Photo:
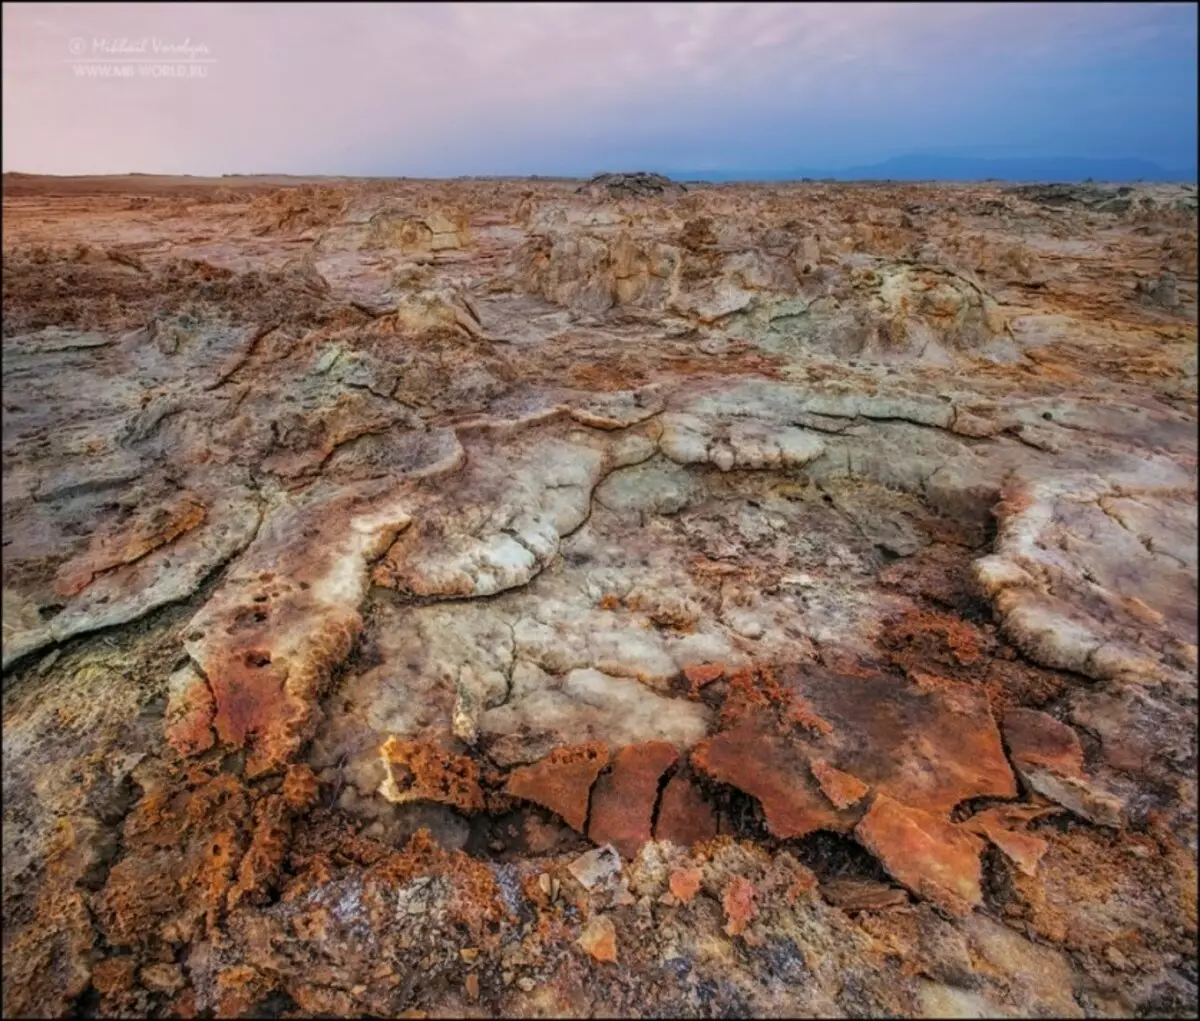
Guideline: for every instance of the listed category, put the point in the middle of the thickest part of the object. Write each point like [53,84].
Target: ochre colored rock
[771,767]
[841,788]
[1004,829]
[1048,756]
[599,938]
[701,675]
[421,771]
[1035,739]
[300,787]
[562,781]
[738,903]
[925,747]
[934,858]
[263,861]
[684,815]
[624,797]
[684,884]
[189,715]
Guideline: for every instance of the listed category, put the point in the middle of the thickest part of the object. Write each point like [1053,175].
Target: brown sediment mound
[632,185]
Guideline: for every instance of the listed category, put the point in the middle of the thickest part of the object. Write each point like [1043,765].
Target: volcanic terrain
[554,598]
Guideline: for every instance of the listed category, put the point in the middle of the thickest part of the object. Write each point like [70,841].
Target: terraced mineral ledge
[523,598]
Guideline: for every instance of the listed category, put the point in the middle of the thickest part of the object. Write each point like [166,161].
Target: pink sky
[468,88]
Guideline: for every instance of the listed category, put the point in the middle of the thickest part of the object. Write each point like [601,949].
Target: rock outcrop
[633,185]
[530,598]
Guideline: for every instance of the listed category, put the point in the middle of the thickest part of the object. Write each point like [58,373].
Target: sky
[576,88]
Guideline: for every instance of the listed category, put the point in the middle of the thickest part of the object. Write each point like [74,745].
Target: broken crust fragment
[624,798]
[562,781]
[862,895]
[934,858]
[1048,757]
[421,771]
[685,816]
[768,766]
[841,788]
[1038,739]
[1003,827]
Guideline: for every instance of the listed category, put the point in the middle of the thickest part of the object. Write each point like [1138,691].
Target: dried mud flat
[497,598]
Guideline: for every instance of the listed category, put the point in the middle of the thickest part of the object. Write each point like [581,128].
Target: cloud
[429,88]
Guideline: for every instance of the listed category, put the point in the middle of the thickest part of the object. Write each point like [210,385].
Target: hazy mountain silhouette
[921,167]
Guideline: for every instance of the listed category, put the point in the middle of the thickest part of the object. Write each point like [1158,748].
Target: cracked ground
[510,599]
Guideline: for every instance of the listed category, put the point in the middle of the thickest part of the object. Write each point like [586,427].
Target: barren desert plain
[495,598]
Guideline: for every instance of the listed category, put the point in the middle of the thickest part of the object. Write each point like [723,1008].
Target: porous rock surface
[507,598]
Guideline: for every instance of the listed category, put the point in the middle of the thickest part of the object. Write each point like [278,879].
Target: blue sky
[447,89]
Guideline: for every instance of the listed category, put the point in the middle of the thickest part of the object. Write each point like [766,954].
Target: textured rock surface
[526,598]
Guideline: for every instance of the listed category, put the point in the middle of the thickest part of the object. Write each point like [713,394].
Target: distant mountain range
[959,168]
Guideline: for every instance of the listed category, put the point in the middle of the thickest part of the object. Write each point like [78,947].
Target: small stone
[699,676]
[507,977]
[527,985]
[113,975]
[862,895]
[623,898]
[469,954]
[599,938]
[471,983]
[738,902]
[163,978]
[595,866]
[685,884]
